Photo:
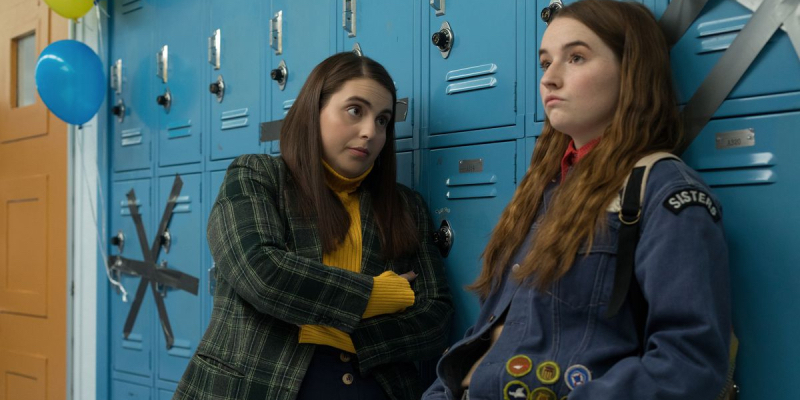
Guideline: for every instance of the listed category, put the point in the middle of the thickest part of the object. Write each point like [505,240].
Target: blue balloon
[70,81]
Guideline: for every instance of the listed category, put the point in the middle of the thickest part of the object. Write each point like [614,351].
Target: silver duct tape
[791,25]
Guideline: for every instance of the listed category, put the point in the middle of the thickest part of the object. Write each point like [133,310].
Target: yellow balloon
[72,9]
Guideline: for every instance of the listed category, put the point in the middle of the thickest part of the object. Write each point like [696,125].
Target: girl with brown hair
[547,328]
[328,286]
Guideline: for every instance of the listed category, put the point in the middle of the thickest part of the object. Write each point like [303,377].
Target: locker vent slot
[131,137]
[471,186]
[234,118]
[471,72]
[131,6]
[183,205]
[735,161]
[718,35]
[473,84]
[740,177]
[287,105]
[124,210]
[181,348]
[133,342]
[179,129]
[471,192]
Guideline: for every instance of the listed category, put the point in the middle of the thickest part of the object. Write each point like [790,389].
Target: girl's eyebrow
[575,43]
[367,103]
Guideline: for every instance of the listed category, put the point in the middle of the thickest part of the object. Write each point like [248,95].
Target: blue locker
[164,394]
[180,50]
[709,37]
[300,35]
[383,31]
[475,86]
[121,390]
[405,168]
[756,179]
[134,354]
[469,187]
[233,60]
[184,309]
[133,126]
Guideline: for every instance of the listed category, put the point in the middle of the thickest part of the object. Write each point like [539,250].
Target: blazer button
[491,318]
[347,379]
[344,357]
[446,350]
[515,268]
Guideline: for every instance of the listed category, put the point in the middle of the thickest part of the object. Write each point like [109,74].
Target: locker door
[699,50]
[131,355]
[384,32]
[235,114]
[469,187]
[184,309]
[132,128]
[181,43]
[757,183]
[405,168]
[657,6]
[301,38]
[475,86]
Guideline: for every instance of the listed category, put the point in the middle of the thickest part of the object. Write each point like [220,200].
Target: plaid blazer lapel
[372,262]
[304,232]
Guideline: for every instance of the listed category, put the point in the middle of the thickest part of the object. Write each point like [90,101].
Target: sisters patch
[681,199]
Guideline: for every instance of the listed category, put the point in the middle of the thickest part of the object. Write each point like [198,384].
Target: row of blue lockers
[477,106]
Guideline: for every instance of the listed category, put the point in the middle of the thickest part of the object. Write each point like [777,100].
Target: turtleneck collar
[341,184]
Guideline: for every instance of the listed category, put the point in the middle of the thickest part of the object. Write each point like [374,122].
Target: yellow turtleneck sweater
[390,292]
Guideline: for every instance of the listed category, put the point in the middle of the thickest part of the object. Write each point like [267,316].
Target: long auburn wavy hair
[301,149]
[646,120]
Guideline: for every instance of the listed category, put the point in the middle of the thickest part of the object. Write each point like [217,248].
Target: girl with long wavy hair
[544,330]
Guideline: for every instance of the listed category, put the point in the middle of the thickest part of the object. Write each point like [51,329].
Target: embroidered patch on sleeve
[681,199]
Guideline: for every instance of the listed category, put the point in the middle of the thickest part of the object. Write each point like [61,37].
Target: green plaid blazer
[270,280]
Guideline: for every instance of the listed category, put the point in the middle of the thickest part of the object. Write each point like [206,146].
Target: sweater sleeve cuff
[390,293]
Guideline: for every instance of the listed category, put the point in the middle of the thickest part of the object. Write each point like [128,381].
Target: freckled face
[353,126]
[580,85]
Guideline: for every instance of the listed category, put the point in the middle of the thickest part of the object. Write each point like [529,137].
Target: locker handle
[116,76]
[276,32]
[349,17]
[438,5]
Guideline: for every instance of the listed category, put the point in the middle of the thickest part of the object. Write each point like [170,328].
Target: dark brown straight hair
[301,149]
[646,120]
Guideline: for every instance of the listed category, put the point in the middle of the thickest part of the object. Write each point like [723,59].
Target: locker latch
[401,110]
[162,61]
[214,44]
[551,10]
[443,238]
[276,32]
[438,5]
[218,88]
[444,39]
[357,50]
[349,17]
[119,110]
[165,100]
[166,240]
[116,76]
[280,74]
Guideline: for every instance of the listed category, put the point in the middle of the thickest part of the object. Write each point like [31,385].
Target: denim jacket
[681,264]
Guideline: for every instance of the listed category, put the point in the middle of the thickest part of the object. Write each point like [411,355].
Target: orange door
[33,213]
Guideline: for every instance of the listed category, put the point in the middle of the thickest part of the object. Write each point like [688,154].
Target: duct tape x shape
[151,273]
[768,17]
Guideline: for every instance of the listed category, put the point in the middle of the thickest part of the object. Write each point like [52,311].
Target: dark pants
[333,374]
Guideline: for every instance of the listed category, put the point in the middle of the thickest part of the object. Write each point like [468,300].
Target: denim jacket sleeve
[682,267]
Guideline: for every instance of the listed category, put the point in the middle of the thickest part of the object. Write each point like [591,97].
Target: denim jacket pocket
[589,281]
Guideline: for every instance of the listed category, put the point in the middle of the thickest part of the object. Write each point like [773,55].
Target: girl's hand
[409,276]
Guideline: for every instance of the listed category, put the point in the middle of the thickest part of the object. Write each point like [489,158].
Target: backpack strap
[629,211]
